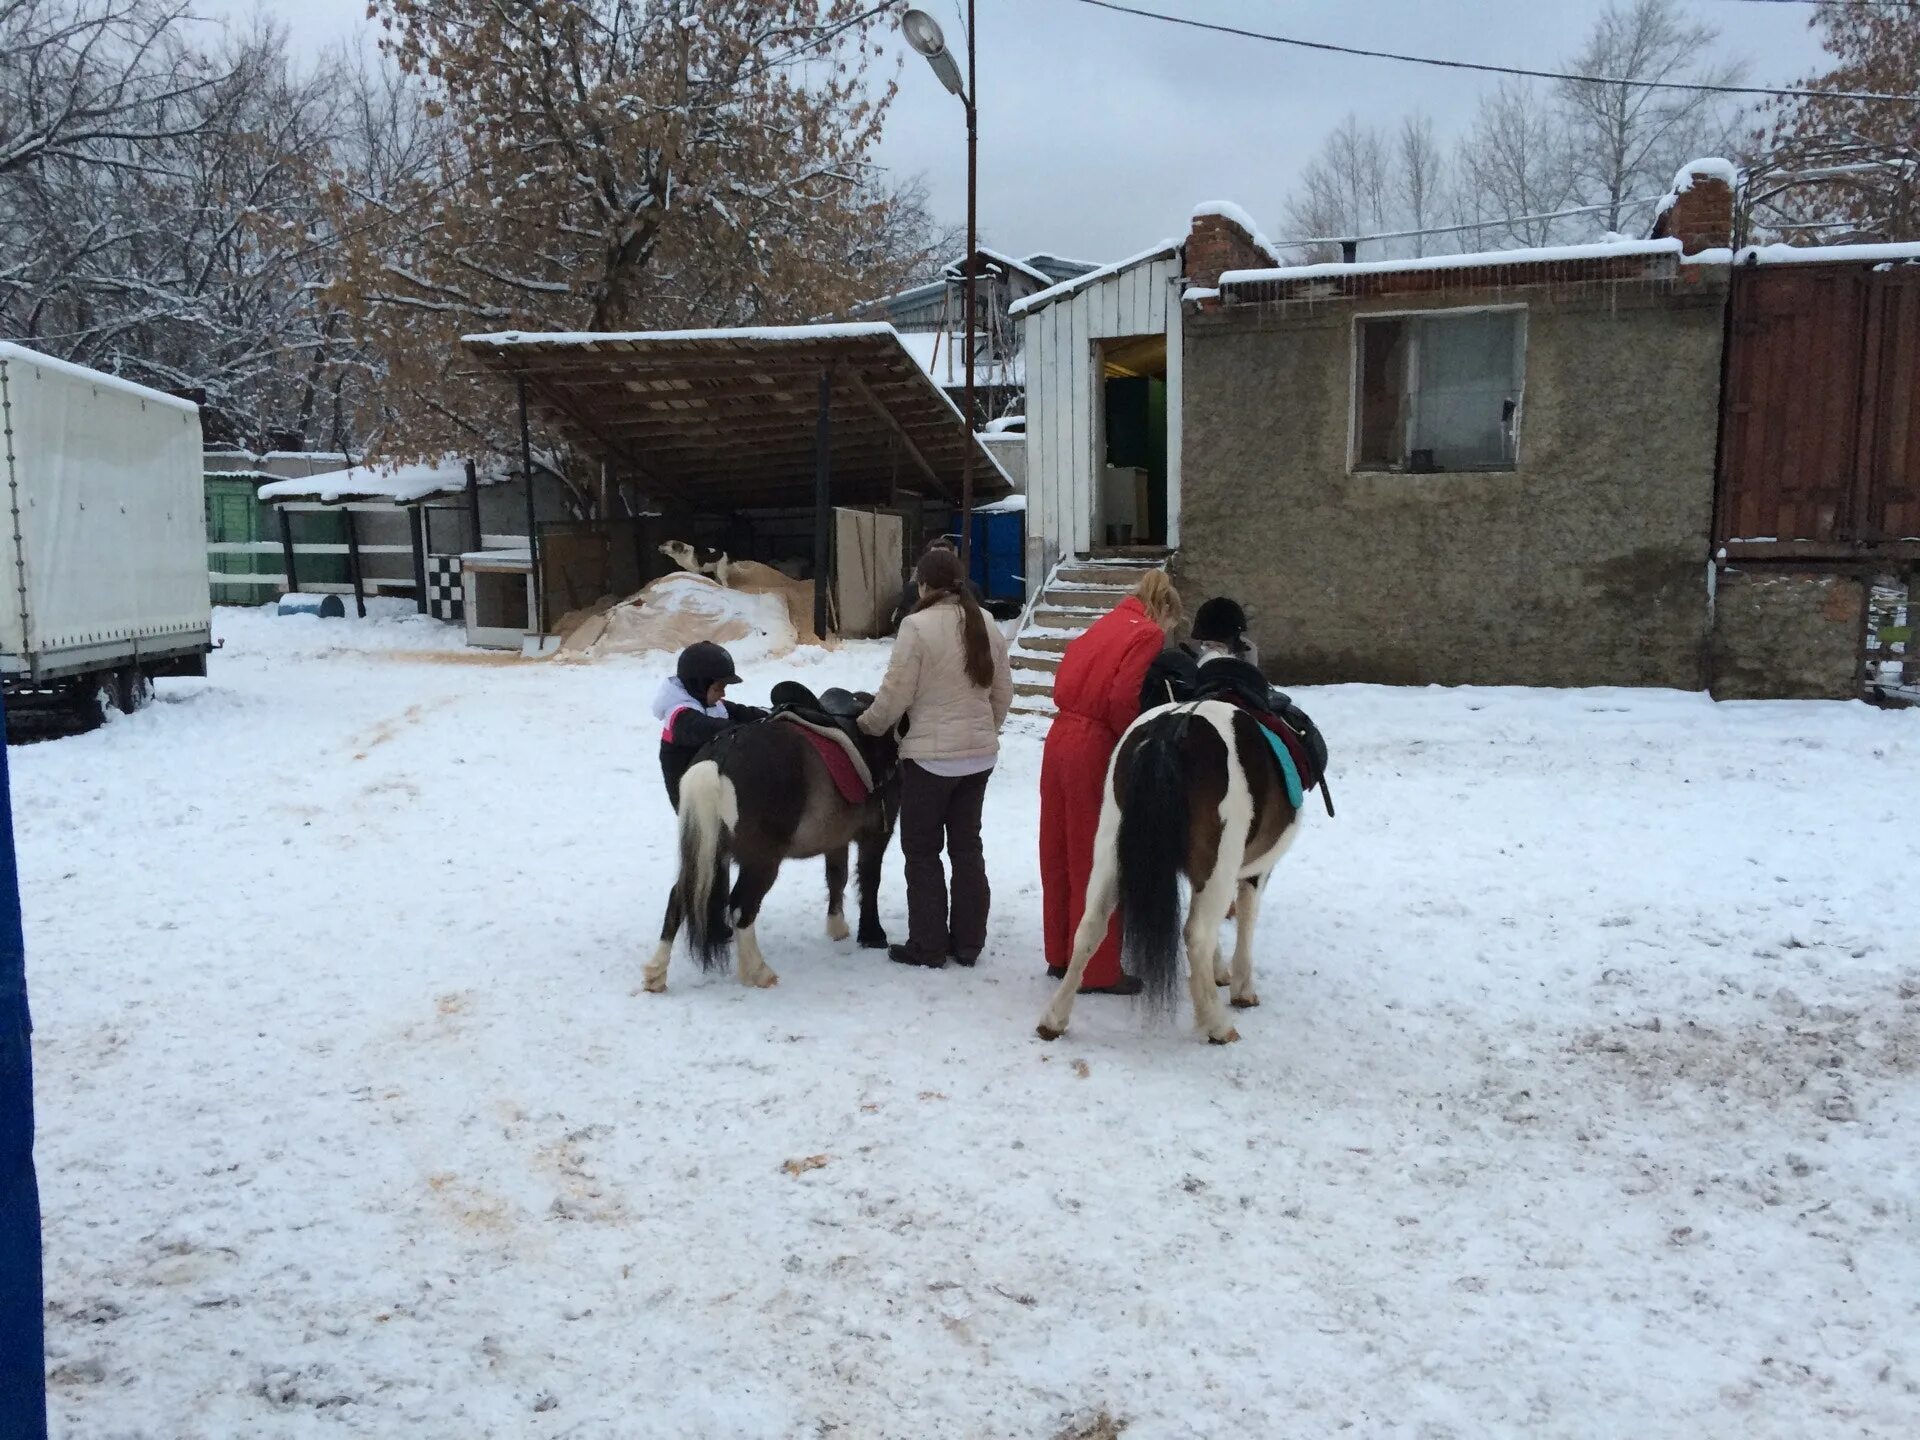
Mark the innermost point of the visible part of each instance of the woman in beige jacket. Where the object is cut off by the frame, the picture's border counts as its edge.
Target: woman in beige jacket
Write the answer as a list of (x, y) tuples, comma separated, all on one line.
[(949, 677)]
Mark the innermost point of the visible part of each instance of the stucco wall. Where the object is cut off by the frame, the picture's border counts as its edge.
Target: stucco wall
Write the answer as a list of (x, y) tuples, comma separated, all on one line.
[(1787, 636), (1585, 566)]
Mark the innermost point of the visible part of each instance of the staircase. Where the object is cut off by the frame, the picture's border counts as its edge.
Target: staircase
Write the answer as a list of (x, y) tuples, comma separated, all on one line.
[(1078, 592)]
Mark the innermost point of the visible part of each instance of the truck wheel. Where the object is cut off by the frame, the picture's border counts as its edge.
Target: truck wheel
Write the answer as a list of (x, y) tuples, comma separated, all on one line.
[(136, 690), (97, 699)]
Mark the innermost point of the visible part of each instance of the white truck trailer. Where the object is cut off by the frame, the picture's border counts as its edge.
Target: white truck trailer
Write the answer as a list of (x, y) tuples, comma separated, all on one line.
[(103, 562)]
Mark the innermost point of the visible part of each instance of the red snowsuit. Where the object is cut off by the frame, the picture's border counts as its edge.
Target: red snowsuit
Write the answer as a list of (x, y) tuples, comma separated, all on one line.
[(1097, 694)]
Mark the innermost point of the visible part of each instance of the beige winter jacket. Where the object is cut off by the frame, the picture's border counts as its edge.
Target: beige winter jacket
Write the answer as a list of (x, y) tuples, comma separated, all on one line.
[(949, 717)]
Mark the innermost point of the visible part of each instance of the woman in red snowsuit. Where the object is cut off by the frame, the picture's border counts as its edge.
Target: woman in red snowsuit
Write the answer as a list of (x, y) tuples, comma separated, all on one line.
[(1097, 695)]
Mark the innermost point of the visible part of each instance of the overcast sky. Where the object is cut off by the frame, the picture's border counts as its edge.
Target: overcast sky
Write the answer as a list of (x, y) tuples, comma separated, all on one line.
[(1099, 132)]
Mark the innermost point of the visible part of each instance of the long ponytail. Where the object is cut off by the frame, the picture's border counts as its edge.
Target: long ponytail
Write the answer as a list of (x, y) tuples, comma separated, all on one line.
[(939, 575)]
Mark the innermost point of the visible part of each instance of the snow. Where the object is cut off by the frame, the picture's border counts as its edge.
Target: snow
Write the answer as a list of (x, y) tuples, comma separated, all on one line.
[(934, 352), (1543, 255), (1012, 505), (1827, 254), (1007, 425), (1065, 288), (20, 354), (1581, 1102), (1710, 167), (957, 269), (402, 484), (774, 334), (1227, 210)]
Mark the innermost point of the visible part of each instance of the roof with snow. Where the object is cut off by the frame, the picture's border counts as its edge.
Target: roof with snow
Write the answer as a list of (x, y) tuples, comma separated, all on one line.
[(726, 419), (936, 352), (395, 484), (1623, 260), (1166, 249), (20, 355)]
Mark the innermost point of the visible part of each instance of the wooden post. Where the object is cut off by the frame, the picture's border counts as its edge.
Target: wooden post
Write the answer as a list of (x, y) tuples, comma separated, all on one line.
[(286, 551), (967, 342), (353, 565), (473, 504), (417, 525), (822, 502), (533, 525)]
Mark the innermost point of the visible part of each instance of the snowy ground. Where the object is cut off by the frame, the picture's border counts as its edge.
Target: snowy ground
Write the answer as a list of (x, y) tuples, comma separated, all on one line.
[(1583, 1101)]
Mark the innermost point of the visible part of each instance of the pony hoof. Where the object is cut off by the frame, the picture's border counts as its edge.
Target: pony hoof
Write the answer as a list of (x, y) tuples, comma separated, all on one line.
[(1047, 1032), (654, 984), (1244, 1002), (767, 980), (837, 928), (874, 940), (1226, 1039), (1221, 977)]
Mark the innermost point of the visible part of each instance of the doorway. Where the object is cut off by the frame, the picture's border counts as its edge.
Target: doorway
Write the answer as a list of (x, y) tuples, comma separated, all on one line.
[(1133, 475)]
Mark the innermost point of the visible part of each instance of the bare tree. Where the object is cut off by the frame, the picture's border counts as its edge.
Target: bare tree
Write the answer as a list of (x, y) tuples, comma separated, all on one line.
[(1624, 142), (1514, 166), (1345, 190), (80, 79), (1420, 178)]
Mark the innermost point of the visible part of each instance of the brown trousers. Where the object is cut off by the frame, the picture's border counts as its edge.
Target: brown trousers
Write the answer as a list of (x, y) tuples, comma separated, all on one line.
[(935, 809)]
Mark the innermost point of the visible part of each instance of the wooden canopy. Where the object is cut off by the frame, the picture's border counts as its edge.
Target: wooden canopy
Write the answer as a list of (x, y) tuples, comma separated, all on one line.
[(731, 419)]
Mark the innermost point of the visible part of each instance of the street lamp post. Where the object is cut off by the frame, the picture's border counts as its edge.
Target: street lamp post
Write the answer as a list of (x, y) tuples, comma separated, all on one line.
[(923, 34)]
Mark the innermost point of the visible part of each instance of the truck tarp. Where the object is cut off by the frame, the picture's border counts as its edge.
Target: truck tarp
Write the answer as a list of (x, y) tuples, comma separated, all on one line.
[(109, 545)]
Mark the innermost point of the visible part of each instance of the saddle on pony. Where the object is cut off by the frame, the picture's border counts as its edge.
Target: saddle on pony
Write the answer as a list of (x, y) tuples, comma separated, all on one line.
[(1299, 748), (857, 762)]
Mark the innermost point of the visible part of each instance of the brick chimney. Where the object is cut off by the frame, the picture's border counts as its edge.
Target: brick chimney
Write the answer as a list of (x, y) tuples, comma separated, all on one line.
[(1699, 210), (1221, 241)]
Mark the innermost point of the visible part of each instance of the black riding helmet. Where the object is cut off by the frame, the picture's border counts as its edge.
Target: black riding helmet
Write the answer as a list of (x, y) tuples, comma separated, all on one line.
[(1220, 621), (704, 665)]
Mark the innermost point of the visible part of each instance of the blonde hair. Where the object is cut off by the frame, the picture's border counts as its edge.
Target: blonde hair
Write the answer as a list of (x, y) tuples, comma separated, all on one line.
[(1162, 601)]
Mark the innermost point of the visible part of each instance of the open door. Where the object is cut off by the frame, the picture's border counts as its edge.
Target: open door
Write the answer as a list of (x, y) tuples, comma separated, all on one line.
[(1133, 488)]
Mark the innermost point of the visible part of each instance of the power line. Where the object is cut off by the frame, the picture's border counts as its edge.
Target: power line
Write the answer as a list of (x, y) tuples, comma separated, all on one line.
[(1329, 47), (1491, 223)]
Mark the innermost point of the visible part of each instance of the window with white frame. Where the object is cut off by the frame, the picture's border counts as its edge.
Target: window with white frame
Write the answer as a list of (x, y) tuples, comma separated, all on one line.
[(1439, 391)]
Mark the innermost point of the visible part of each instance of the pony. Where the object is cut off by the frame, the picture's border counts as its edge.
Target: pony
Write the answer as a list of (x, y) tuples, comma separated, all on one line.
[(763, 794), (1193, 791)]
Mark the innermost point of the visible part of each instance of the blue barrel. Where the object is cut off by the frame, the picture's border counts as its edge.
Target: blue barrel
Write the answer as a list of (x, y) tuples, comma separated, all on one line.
[(999, 553)]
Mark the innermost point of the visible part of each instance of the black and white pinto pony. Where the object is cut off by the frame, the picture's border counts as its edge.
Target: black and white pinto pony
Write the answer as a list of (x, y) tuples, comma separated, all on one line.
[(758, 796), (1193, 792)]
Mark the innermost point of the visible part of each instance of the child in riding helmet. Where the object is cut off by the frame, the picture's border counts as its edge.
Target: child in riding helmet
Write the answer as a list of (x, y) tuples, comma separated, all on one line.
[(692, 709)]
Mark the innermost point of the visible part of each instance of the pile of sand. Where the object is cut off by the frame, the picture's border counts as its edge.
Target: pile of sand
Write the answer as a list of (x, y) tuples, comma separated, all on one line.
[(756, 617)]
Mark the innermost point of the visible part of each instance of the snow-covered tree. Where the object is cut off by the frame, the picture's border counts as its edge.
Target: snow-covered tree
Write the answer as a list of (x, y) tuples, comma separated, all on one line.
[(618, 164)]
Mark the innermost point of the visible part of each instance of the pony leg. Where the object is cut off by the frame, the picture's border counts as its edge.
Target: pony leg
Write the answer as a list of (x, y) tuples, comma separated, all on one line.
[(873, 855), (1205, 915), (1248, 915), (837, 894), (654, 977), (748, 891), (1103, 894)]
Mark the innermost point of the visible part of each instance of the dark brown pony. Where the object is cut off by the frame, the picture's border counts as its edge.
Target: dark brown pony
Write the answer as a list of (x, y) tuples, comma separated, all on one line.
[(1195, 793), (758, 796)]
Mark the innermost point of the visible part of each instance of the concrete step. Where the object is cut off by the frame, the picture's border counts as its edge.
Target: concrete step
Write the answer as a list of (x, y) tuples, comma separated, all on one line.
[(1094, 603), (1119, 577), (1049, 617), (1027, 690), (1049, 662), (1045, 644)]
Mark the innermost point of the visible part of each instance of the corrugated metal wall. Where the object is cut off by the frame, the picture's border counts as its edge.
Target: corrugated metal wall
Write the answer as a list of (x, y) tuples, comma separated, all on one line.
[(1063, 403), (1821, 448)]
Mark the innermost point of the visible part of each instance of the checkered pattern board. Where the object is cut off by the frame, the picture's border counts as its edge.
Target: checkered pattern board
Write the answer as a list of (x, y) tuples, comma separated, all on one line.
[(445, 595)]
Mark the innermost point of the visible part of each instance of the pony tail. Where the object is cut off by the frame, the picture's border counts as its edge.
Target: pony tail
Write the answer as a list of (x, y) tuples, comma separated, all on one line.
[(974, 638), (940, 573)]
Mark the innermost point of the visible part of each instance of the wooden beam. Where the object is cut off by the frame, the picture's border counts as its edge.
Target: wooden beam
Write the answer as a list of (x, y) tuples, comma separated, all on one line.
[(899, 432)]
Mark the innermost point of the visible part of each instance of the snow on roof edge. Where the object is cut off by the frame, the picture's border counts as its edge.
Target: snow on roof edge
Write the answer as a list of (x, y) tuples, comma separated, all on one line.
[(955, 268), (401, 484), (1907, 250), (776, 334), (1227, 210), (75, 371), (1092, 277), (1472, 261)]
